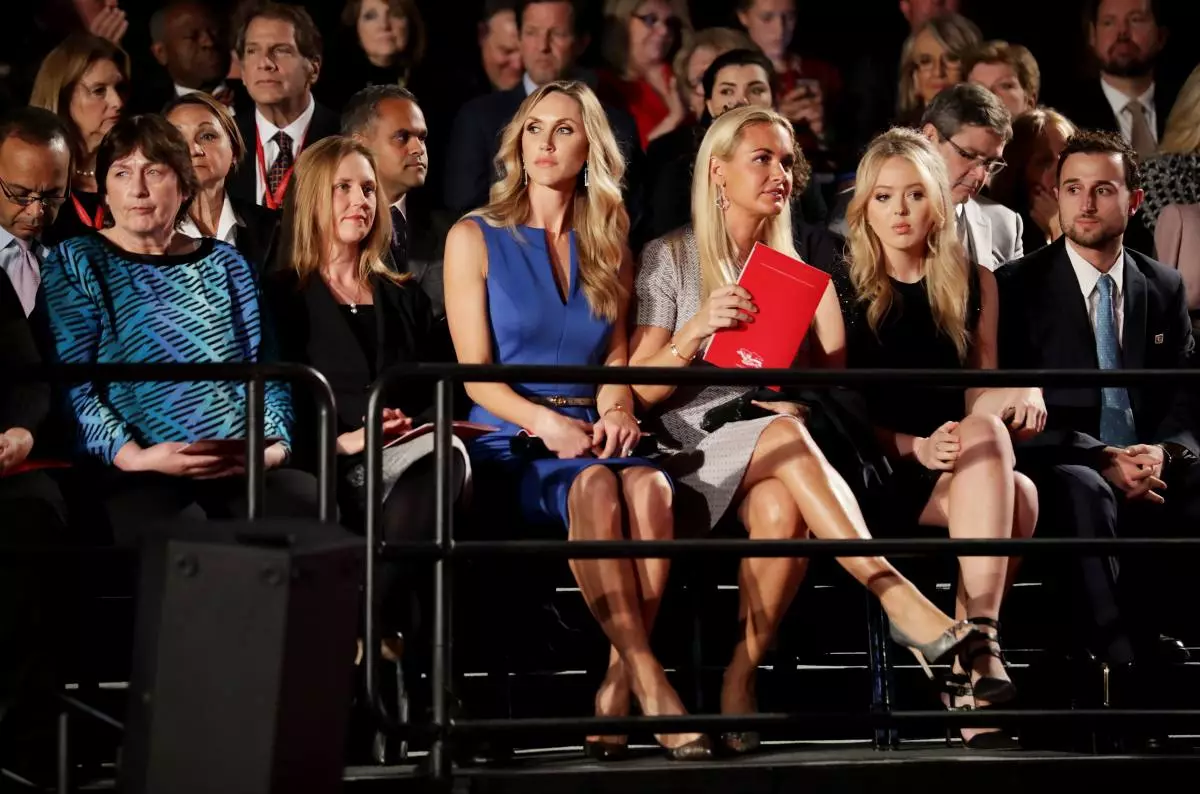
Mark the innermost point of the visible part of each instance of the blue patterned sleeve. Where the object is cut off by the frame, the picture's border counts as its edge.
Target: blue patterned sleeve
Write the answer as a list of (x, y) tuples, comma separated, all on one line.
[(277, 398), (73, 301)]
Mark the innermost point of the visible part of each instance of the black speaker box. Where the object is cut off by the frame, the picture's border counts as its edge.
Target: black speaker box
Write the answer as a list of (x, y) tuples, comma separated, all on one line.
[(243, 659)]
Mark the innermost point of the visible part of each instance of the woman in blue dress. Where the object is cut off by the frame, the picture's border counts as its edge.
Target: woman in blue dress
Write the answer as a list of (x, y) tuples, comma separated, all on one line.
[(542, 275)]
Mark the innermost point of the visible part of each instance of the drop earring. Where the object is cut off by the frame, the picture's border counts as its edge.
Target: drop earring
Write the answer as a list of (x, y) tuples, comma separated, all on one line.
[(722, 202), (585, 175)]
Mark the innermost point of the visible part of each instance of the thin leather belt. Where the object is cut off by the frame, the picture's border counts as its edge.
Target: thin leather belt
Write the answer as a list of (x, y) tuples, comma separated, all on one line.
[(559, 401)]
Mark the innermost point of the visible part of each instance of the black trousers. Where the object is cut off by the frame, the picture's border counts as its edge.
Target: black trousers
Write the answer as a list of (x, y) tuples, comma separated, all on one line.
[(135, 502), (31, 592), (1117, 604)]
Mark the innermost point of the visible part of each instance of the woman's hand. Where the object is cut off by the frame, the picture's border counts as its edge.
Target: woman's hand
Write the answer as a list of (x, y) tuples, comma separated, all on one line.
[(725, 308), (615, 433), (394, 423), (566, 437), (805, 104), (110, 23), (15, 446), (1024, 411), (1043, 209), (783, 408), (939, 452), (170, 459)]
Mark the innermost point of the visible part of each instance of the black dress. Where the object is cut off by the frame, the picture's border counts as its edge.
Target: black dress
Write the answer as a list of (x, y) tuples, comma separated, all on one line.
[(908, 338)]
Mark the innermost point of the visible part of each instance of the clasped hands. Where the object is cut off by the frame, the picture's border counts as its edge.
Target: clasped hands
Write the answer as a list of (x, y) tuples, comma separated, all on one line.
[(173, 459), (615, 433)]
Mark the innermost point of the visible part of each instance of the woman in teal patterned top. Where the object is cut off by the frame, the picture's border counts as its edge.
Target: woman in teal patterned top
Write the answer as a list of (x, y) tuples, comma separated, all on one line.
[(137, 291)]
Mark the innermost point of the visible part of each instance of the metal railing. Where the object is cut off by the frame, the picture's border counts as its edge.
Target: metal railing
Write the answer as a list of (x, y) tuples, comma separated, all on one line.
[(445, 549), (255, 377)]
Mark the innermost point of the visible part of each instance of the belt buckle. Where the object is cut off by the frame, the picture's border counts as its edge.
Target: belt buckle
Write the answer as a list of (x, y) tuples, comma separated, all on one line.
[(558, 401)]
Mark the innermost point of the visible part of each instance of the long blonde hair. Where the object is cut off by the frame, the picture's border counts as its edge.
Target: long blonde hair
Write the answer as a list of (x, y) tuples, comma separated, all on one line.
[(308, 214), (945, 268), (719, 257), (599, 218), (1182, 134)]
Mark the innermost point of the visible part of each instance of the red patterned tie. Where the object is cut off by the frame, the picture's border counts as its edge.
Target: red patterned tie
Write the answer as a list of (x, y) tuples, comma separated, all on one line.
[(282, 162)]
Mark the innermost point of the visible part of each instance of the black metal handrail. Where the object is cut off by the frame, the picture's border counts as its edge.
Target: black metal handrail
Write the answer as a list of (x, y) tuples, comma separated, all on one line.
[(255, 377), (445, 548)]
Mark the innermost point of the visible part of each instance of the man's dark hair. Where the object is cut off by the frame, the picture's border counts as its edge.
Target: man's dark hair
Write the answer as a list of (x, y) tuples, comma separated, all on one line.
[(737, 58), (362, 108), (159, 141), (967, 105), (1100, 142), (308, 36), (1091, 11), (34, 125), (578, 17), (493, 7)]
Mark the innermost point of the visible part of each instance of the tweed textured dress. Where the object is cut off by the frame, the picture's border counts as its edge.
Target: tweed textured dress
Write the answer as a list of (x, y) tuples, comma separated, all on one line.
[(707, 467)]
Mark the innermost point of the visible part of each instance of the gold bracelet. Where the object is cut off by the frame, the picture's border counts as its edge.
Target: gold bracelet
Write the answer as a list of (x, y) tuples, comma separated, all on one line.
[(619, 407), (681, 356)]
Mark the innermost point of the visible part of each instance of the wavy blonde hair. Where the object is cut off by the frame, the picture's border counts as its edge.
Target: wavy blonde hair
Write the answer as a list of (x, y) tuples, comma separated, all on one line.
[(719, 258), (308, 214), (945, 267), (1182, 134), (599, 218)]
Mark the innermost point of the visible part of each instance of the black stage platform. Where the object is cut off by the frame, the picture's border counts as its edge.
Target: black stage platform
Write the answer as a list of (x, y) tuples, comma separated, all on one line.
[(805, 767)]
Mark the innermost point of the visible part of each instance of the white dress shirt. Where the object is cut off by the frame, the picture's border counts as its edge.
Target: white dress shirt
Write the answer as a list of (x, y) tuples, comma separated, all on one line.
[(1089, 277), (22, 263), (1118, 101), (297, 131), (227, 225)]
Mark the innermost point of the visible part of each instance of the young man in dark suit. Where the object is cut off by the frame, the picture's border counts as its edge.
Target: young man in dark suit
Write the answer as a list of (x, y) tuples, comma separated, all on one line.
[(1112, 462), (280, 51), (551, 40)]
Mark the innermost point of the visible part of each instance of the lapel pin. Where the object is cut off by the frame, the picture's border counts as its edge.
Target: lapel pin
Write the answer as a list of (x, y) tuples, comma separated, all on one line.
[(1158, 339)]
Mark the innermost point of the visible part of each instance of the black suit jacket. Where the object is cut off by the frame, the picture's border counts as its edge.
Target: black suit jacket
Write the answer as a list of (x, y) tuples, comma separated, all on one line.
[(475, 138), (257, 238), (311, 330), (244, 183), (26, 404), (1088, 108), (1044, 324)]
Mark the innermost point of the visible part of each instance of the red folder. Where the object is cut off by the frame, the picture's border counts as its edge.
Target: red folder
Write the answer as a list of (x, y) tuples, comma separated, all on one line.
[(786, 292)]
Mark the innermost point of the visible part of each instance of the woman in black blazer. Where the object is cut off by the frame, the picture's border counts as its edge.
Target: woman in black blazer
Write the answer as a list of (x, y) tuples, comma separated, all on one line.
[(217, 148), (337, 307)]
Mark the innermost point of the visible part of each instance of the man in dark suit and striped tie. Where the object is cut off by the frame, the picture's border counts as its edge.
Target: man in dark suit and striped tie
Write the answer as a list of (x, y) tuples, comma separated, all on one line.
[(388, 120)]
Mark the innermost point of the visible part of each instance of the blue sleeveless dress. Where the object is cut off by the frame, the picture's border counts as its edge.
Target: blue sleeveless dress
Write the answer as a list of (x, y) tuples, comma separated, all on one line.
[(531, 324)]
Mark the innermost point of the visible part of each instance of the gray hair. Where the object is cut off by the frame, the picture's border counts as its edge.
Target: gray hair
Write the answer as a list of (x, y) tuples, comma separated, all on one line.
[(362, 108), (967, 105)]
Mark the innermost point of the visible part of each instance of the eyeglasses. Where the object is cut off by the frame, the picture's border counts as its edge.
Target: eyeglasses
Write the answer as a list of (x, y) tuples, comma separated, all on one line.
[(672, 23), (26, 199), (928, 63), (993, 165)]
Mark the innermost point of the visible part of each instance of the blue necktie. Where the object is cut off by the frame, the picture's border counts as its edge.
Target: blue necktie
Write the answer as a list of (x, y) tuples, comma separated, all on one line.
[(1116, 417)]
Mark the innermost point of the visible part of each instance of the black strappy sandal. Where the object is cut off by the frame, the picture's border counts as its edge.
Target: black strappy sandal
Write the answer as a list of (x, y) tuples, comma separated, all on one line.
[(994, 690), (957, 686)]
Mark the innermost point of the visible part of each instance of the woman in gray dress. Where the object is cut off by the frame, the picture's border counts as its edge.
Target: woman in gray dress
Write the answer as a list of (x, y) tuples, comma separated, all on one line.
[(768, 469)]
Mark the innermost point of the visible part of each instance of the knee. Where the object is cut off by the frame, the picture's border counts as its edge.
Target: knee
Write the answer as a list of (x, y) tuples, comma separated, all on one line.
[(594, 488), (1025, 505), (1083, 495), (769, 512), (989, 433), (648, 498)]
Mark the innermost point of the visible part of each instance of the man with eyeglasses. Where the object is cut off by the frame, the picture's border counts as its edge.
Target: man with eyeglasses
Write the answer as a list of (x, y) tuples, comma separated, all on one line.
[(970, 127), (35, 167), (35, 162)]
